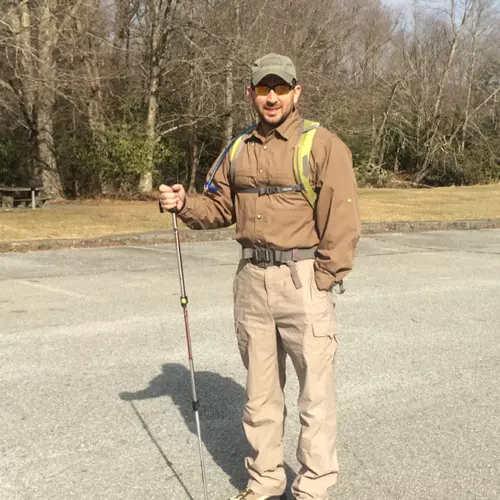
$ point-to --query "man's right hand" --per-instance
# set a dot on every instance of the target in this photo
(172, 198)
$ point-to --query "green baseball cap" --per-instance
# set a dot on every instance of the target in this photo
(273, 64)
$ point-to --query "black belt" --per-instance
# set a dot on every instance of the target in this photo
(265, 257)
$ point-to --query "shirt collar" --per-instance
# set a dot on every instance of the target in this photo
(289, 126)
(285, 130)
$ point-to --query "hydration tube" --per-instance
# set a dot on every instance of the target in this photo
(210, 186)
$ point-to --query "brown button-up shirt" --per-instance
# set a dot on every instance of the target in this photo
(286, 220)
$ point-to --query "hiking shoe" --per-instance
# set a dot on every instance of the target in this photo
(248, 494)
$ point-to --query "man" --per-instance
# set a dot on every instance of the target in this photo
(293, 254)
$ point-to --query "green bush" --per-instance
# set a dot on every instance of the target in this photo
(108, 163)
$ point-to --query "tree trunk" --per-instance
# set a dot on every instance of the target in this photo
(121, 33)
(95, 97)
(24, 84)
(160, 20)
(471, 76)
(194, 159)
(496, 114)
(436, 115)
(146, 180)
(94, 107)
(379, 144)
(228, 126)
(46, 157)
(91, 63)
(192, 156)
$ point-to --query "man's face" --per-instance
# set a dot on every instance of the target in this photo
(272, 108)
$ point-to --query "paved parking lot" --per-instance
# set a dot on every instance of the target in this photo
(95, 391)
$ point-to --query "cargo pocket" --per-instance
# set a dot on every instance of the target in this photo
(320, 345)
(242, 339)
(324, 329)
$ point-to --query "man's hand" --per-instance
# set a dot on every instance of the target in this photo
(172, 198)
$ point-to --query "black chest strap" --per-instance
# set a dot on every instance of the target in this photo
(263, 190)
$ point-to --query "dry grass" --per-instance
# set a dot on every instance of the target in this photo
(453, 203)
(82, 220)
(100, 218)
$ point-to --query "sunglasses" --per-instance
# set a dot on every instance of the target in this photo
(280, 89)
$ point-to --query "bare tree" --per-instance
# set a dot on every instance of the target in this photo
(414, 96)
(159, 17)
(35, 30)
(436, 117)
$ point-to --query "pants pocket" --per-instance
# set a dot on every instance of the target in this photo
(320, 345)
(242, 339)
(319, 304)
(321, 294)
(324, 329)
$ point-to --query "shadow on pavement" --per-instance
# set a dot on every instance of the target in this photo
(222, 401)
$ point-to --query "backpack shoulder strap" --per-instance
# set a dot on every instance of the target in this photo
(301, 159)
(236, 149)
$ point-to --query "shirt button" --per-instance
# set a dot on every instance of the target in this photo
(259, 241)
(265, 147)
(260, 170)
(259, 216)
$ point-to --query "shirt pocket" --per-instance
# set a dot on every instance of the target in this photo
(245, 167)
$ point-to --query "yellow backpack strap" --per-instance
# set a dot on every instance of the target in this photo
(235, 149)
(301, 159)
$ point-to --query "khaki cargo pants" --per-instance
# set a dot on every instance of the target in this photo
(274, 319)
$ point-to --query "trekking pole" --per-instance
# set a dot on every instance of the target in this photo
(184, 303)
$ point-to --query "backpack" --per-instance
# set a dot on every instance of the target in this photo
(300, 163)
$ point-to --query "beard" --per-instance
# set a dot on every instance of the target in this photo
(273, 122)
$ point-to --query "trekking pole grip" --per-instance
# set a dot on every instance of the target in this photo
(173, 212)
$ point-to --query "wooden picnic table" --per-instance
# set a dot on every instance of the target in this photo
(18, 194)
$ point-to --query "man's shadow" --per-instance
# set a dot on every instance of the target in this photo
(221, 400)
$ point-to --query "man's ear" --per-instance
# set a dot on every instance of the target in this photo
(296, 93)
(250, 94)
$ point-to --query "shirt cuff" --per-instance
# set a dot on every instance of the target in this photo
(324, 280)
(185, 209)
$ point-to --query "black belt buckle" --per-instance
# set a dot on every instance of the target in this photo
(262, 255)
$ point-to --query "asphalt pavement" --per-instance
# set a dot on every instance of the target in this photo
(94, 384)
